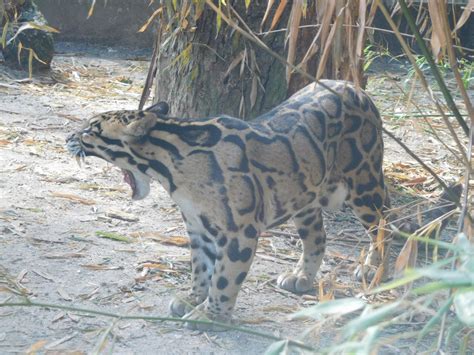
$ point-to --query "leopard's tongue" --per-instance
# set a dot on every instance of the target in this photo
(129, 179)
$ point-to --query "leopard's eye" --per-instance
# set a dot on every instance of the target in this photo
(87, 132)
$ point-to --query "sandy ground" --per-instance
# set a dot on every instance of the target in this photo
(52, 214)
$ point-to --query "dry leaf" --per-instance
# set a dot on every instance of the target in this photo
(62, 340)
(438, 35)
(378, 276)
(154, 266)
(407, 257)
(267, 11)
(415, 181)
(36, 346)
(153, 15)
(327, 46)
(74, 198)
(465, 15)
(124, 216)
(361, 29)
(63, 256)
(100, 267)
(279, 11)
(62, 292)
(292, 34)
(234, 63)
(176, 240)
(325, 296)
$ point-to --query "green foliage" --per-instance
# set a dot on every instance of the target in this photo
(371, 53)
(466, 69)
(448, 282)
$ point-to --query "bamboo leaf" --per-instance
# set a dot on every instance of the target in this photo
(244, 60)
(91, 9)
(465, 15)
(414, 274)
(30, 63)
(267, 11)
(279, 11)
(438, 36)
(4, 33)
(113, 236)
(361, 29)
(435, 319)
(410, 276)
(277, 348)
(407, 257)
(20, 48)
(234, 63)
(431, 287)
(293, 31)
(253, 91)
(370, 318)
(30, 26)
(327, 46)
(150, 19)
(219, 18)
(339, 307)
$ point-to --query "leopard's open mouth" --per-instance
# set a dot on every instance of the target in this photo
(129, 179)
(140, 184)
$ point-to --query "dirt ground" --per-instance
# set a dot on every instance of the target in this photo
(54, 216)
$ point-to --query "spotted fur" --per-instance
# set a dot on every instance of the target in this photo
(234, 179)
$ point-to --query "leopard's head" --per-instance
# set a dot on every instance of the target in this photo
(112, 135)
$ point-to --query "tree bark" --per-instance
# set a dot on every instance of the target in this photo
(192, 69)
(203, 72)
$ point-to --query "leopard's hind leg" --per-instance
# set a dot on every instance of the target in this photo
(309, 223)
(368, 198)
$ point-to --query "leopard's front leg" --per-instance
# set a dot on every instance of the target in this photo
(203, 256)
(234, 254)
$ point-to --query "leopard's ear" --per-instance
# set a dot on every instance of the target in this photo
(160, 108)
(140, 127)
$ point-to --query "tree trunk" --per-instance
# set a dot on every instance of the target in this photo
(203, 72)
(193, 69)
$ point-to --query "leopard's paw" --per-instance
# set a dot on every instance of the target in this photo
(181, 305)
(365, 272)
(202, 320)
(294, 282)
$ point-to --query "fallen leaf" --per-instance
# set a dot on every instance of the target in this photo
(154, 266)
(415, 181)
(44, 275)
(62, 292)
(36, 346)
(407, 257)
(176, 240)
(60, 341)
(113, 236)
(101, 267)
(64, 256)
(124, 216)
(96, 187)
(73, 198)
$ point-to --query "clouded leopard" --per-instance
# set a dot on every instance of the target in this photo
(234, 179)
